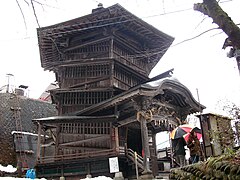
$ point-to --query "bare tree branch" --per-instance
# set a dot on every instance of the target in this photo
(38, 2)
(200, 23)
(189, 39)
(42, 5)
(34, 11)
(212, 9)
(24, 20)
(26, 2)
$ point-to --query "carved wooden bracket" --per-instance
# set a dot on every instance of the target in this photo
(158, 113)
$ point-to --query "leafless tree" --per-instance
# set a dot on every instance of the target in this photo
(32, 4)
(212, 9)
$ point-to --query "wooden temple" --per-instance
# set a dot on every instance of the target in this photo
(107, 105)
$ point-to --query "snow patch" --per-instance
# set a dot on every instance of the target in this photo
(99, 178)
(96, 178)
(26, 133)
(13, 178)
(8, 168)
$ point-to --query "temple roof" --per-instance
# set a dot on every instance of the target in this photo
(169, 86)
(114, 17)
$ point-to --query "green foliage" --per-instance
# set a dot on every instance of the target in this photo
(230, 152)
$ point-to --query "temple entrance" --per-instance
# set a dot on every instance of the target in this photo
(134, 140)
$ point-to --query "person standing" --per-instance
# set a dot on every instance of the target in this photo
(194, 146)
(179, 151)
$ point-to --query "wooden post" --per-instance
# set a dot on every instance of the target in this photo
(136, 164)
(202, 131)
(39, 141)
(111, 48)
(44, 141)
(237, 130)
(145, 145)
(153, 153)
(57, 140)
(116, 139)
(171, 150)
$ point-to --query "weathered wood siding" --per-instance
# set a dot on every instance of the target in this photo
(84, 137)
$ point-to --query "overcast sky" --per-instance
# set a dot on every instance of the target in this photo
(199, 64)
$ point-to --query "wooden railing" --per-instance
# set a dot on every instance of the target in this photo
(103, 153)
(127, 61)
(168, 157)
(131, 155)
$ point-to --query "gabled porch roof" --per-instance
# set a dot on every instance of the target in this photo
(168, 85)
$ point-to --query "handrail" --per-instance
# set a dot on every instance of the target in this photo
(131, 155)
(47, 159)
(126, 61)
(169, 155)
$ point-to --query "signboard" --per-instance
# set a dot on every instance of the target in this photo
(113, 164)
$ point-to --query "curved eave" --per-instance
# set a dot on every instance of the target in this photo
(81, 23)
(114, 16)
(181, 93)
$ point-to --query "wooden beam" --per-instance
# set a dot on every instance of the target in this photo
(89, 82)
(85, 148)
(86, 44)
(127, 121)
(77, 143)
(39, 141)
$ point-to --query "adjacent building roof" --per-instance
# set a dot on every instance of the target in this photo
(17, 113)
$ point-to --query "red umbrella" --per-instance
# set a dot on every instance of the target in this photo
(184, 131)
(186, 136)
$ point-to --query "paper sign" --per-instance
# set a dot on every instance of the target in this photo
(113, 164)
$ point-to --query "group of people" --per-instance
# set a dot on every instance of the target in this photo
(179, 149)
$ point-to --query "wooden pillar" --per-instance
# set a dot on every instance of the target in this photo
(153, 153)
(57, 140)
(116, 139)
(145, 146)
(141, 105)
(111, 48)
(44, 141)
(39, 141)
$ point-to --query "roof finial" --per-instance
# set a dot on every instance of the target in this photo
(100, 5)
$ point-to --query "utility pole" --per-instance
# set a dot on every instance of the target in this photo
(8, 82)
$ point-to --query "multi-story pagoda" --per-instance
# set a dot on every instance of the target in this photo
(107, 106)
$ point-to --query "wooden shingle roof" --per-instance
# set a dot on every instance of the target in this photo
(114, 17)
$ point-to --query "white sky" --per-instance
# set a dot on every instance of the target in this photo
(199, 63)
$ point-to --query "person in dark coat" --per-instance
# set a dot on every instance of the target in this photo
(179, 151)
(194, 146)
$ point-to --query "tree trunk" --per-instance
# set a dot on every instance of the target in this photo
(221, 18)
(212, 9)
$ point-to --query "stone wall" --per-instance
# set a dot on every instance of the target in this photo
(28, 109)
